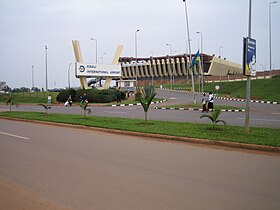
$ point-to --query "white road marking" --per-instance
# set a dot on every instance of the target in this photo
(267, 120)
(8, 134)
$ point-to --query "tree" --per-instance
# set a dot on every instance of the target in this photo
(145, 97)
(22, 89)
(46, 107)
(35, 89)
(87, 110)
(214, 117)
(11, 102)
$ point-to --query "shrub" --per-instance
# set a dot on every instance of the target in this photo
(64, 95)
(98, 96)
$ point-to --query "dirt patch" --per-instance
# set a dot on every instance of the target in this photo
(16, 197)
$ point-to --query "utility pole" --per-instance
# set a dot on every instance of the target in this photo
(189, 44)
(32, 78)
(248, 84)
(46, 52)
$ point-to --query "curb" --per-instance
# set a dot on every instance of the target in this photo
(196, 109)
(230, 99)
(243, 100)
(160, 136)
(137, 104)
(252, 101)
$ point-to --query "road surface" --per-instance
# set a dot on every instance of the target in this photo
(261, 115)
(83, 169)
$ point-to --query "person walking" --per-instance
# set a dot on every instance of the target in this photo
(119, 96)
(211, 102)
(84, 98)
(204, 103)
(49, 99)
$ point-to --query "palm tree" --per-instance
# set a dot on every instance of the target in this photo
(11, 102)
(46, 107)
(87, 110)
(214, 117)
(146, 96)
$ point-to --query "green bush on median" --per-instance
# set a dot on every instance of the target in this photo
(92, 95)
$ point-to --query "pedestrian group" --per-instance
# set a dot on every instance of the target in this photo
(207, 102)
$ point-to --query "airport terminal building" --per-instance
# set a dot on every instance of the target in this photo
(159, 70)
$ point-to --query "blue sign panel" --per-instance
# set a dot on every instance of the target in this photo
(249, 57)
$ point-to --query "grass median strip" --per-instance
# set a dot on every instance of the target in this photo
(259, 136)
(199, 106)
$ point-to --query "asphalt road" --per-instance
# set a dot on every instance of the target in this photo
(261, 115)
(83, 169)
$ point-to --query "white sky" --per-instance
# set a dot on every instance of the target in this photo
(28, 25)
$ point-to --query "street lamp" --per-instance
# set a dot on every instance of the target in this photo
(93, 39)
(248, 82)
(69, 76)
(32, 78)
(220, 51)
(220, 56)
(152, 67)
(170, 46)
(270, 3)
(202, 67)
(136, 70)
(46, 53)
(189, 45)
(102, 56)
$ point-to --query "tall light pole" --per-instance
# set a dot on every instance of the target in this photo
(248, 83)
(152, 66)
(69, 76)
(136, 70)
(46, 52)
(102, 56)
(93, 39)
(264, 70)
(202, 66)
(189, 45)
(170, 47)
(270, 3)
(32, 78)
(220, 51)
(220, 56)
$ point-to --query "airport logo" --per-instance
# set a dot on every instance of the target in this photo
(82, 68)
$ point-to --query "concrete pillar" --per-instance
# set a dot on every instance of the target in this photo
(115, 61)
(79, 58)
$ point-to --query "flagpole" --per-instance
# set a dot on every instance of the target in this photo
(190, 54)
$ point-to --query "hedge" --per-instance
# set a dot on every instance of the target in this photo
(92, 95)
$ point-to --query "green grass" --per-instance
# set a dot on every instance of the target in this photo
(261, 89)
(260, 136)
(198, 105)
(29, 97)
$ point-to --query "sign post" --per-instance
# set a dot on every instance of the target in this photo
(249, 63)
(217, 88)
(249, 69)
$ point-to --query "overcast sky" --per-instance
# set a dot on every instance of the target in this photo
(28, 25)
